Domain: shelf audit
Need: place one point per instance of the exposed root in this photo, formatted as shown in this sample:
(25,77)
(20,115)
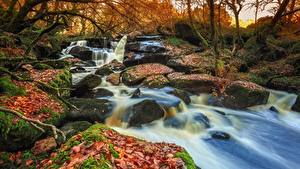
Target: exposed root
(36,123)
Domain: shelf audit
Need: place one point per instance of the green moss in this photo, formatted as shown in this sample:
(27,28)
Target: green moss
(176,41)
(188,160)
(60,158)
(113,151)
(62,80)
(93,134)
(42,66)
(9,88)
(92,163)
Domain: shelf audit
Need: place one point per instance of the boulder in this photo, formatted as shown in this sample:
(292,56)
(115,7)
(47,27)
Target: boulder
(96,93)
(114,78)
(183,95)
(72,128)
(132,59)
(194,83)
(86,84)
(156,81)
(239,95)
(186,32)
(296,106)
(82,52)
(193,63)
(144,112)
(145,47)
(104,70)
(115,65)
(289,84)
(102,147)
(136,74)
(90,110)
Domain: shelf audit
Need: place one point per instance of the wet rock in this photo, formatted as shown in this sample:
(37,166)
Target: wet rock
(194,83)
(116,65)
(86,84)
(81,52)
(239,94)
(132,59)
(156,81)
(183,95)
(136,93)
(203,63)
(136,74)
(96,93)
(72,128)
(78,69)
(176,122)
(144,112)
(104,70)
(44,145)
(296,106)
(219,135)
(274,109)
(145,47)
(202,119)
(114,78)
(90,110)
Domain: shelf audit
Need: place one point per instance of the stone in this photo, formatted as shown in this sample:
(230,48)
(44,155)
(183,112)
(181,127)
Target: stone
(82,52)
(220,135)
(239,95)
(104,70)
(86,84)
(186,32)
(183,95)
(203,63)
(44,145)
(145,47)
(132,59)
(78,69)
(114,79)
(96,93)
(156,81)
(296,106)
(194,83)
(90,110)
(136,74)
(72,128)
(145,112)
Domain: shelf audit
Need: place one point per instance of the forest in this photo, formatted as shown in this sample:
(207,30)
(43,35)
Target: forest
(150,84)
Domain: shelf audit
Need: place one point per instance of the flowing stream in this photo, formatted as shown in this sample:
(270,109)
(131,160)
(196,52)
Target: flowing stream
(261,137)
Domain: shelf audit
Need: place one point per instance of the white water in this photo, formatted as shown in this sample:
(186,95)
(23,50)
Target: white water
(100,56)
(260,138)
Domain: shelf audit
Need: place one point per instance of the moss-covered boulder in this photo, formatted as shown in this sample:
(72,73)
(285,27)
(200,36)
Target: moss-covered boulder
(239,94)
(102,147)
(195,83)
(156,81)
(290,84)
(136,74)
(114,79)
(62,82)
(296,106)
(72,128)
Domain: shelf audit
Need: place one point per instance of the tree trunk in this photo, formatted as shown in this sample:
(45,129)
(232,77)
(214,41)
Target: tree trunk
(237,27)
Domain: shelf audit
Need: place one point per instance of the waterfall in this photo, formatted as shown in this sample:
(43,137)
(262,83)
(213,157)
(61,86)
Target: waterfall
(120,49)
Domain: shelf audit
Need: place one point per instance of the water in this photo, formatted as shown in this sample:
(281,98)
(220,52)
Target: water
(261,137)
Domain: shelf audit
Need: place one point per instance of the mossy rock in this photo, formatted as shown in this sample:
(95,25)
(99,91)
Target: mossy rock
(7,87)
(17,134)
(156,81)
(63,81)
(42,66)
(104,144)
(289,84)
